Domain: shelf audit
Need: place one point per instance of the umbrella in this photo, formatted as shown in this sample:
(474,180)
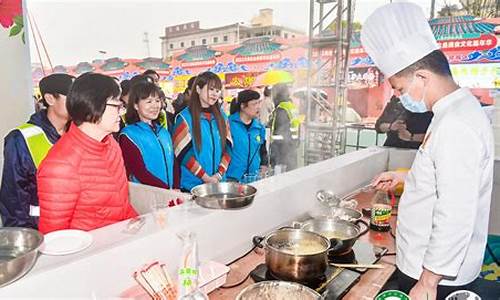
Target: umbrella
(273,77)
(229,98)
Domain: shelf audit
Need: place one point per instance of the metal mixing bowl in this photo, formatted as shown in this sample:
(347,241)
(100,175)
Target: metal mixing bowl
(342,234)
(18,252)
(224,195)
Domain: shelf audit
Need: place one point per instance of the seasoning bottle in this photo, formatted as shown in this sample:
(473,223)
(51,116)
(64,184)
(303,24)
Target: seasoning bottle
(189,269)
(381,212)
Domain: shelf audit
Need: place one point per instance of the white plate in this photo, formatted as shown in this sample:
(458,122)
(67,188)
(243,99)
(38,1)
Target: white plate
(64,242)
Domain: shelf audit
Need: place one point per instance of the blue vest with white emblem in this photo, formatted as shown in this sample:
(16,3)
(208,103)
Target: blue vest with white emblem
(245,154)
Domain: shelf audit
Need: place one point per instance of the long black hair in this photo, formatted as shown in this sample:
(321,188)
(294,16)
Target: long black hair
(195,107)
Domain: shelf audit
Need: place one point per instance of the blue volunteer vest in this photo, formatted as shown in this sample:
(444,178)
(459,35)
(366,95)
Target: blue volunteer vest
(245,155)
(156,149)
(211,151)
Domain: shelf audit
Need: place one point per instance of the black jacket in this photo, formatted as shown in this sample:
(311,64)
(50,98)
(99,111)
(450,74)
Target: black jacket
(18,190)
(416,123)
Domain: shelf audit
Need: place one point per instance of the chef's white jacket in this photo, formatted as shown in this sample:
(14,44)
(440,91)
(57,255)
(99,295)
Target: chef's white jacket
(444,210)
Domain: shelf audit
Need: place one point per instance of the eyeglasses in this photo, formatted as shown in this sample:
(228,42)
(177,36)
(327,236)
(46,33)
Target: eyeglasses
(120,108)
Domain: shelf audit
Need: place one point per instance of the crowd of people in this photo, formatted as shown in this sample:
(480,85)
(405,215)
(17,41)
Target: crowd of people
(69,165)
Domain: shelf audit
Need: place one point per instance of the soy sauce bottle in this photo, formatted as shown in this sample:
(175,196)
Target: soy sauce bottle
(381,212)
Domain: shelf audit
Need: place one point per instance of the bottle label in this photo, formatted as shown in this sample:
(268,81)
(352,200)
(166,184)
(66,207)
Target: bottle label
(187,276)
(381,215)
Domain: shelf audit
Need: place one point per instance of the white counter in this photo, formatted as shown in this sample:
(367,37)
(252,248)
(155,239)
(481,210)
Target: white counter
(105,269)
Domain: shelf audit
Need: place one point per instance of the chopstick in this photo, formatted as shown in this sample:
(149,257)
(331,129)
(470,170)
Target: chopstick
(330,279)
(156,281)
(145,285)
(361,266)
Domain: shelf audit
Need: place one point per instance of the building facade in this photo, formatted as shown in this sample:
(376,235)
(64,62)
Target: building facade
(186,35)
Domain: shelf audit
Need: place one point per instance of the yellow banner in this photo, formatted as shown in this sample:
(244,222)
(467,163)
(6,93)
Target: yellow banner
(180,82)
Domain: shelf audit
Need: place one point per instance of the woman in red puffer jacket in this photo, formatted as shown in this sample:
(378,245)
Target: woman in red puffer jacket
(82,182)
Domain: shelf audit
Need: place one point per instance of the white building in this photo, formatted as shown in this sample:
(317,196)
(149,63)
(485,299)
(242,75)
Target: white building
(183,36)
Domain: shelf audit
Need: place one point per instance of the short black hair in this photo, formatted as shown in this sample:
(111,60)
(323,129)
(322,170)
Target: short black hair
(139,91)
(151,72)
(140,78)
(163,97)
(87,98)
(244,96)
(55,84)
(436,62)
(125,85)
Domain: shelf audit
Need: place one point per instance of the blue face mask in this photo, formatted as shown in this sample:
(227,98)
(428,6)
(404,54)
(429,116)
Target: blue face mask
(412,105)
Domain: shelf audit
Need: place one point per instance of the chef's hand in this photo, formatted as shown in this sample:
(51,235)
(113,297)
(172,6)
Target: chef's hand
(397,125)
(422,292)
(388,180)
(426,287)
(404,134)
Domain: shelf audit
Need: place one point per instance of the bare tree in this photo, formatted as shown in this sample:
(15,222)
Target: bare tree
(448,10)
(480,8)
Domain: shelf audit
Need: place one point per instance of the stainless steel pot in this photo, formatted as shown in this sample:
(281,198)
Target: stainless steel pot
(296,255)
(341,234)
(18,252)
(224,195)
(271,290)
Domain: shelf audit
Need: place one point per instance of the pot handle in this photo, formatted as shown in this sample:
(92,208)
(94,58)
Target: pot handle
(367,227)
(297,225)
(257,241)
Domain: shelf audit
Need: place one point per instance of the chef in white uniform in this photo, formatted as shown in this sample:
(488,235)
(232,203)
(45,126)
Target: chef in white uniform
(443,212)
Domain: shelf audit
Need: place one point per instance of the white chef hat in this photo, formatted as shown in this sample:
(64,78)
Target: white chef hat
(397,35)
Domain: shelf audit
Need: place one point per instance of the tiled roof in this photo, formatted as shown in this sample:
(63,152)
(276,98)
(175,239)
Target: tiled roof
(447,20)
(461,27)
(256,46)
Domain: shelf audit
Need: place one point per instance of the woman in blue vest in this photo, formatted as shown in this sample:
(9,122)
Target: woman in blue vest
(202,138)
(146,145)
(249,152)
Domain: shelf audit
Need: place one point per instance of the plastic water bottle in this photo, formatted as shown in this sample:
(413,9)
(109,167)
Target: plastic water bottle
(189,269)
